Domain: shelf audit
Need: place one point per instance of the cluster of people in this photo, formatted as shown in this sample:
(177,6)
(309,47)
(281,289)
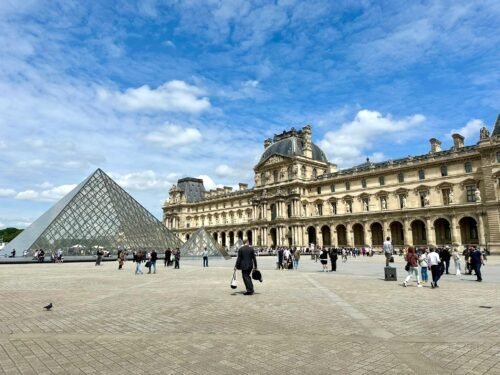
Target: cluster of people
(437,260)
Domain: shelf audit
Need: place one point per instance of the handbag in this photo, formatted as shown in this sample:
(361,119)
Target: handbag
(148,264)
(407,267)
(234,284)
(391,259)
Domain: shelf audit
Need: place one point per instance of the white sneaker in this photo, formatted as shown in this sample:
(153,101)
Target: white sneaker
(419,285)
(404,284)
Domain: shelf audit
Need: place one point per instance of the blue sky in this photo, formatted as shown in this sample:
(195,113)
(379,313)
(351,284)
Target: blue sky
(152,91)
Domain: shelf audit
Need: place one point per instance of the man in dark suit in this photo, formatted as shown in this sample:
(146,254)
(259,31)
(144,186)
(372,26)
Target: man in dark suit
(245,262)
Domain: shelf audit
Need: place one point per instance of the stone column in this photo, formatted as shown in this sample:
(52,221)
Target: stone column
(455,236)
(407,232)
(368,234)
(335,238)
(481,230)
(349,235)
(386,229)
(429,229)
(319,236)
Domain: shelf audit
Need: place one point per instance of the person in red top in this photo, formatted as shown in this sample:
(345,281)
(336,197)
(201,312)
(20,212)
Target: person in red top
(412,262)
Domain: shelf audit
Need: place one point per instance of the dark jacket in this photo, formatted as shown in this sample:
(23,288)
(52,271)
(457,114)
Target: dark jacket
(246,259)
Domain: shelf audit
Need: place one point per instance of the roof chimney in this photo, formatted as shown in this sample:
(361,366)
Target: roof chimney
(435,145)
(458,141)
(268,142)
(243,186)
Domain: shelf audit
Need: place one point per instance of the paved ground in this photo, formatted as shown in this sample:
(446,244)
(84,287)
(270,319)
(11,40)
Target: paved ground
(189,321)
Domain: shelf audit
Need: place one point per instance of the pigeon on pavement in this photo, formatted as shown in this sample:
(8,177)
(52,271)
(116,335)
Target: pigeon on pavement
(48,307)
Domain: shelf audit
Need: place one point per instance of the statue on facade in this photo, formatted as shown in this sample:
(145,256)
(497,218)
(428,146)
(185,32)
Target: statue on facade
(264,193)
(316,210)
(426,200)
(484,133)
(347,207)
(334,209)
(451,197)
(365,206)
(403,202)
(477,194)
(384,204)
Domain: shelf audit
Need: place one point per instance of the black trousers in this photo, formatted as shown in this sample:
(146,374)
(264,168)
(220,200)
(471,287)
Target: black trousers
(436,273)
(176,264)
(477,270)
(205,261)
(333,261)
(247,279)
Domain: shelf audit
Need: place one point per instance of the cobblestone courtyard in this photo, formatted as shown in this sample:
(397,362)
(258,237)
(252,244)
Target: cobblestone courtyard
(189,321)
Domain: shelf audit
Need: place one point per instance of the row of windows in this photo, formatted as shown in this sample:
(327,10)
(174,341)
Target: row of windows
(401,177)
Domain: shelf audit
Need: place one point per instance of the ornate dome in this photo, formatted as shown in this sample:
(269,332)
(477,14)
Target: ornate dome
(293,146)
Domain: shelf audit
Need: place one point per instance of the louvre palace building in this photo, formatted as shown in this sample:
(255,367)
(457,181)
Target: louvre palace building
(444,197)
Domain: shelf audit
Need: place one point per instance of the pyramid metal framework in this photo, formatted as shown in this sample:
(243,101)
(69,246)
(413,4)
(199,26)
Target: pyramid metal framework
(234,249)
(200,240)
(97,213)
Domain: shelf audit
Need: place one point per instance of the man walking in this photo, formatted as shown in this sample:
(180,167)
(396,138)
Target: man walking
(476,261)
(245,262)
(388,250)
(154,257)
(333,259)
(205,257)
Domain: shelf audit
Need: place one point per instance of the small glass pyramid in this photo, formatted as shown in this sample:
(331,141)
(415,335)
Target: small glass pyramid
(96,214)
(200,240)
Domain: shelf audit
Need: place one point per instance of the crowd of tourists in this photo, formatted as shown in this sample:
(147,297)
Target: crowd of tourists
(419,261)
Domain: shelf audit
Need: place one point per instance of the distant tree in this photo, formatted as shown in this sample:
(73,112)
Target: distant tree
(9,234)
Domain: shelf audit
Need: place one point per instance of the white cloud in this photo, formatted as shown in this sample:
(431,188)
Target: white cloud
(169,43)
(348,145)
(470,130)
(224,170)
(27,195)
(7,192)
(49,195)
(173,135)
(56,193)
(146,180)
(209,183)
(172,96)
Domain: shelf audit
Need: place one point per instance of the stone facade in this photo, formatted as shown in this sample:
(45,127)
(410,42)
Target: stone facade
(445,197)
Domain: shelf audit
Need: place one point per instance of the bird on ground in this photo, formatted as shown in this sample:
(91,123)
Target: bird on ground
(48,307)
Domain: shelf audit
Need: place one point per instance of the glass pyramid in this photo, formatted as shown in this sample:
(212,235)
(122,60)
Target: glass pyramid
(197,243)
(96,214)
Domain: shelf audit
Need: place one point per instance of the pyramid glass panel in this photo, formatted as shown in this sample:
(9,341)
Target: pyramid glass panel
(98,213)
(200,240)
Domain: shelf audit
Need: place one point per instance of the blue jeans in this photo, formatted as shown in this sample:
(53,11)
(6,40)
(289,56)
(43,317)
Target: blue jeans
(295,263)
(153,266)
(138,267)
(423,271)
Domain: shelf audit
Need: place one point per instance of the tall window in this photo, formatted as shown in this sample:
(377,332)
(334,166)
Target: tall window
(444,171)
(332,188)
(348,185)
(401,177)
(421,174)
(334,208)
(468,167)
(263,178)
(498,157)
(303,172)
(363,183)
(275,176)
(471,190)
(289,210)
(381,180)
(290,173)
(315,173)
(318,189)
